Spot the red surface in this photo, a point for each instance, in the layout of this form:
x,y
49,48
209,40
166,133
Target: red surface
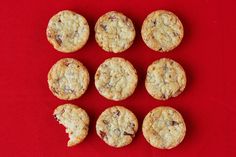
x,y
207,53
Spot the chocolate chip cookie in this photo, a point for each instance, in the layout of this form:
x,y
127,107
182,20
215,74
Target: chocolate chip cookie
x,y
164,127
165,79
75,120
116,79
162,31
117,126
67,31
114,32
68,79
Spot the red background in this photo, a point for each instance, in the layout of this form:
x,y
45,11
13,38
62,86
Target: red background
x,y
207,53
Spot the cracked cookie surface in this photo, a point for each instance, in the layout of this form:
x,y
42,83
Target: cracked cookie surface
x,y
116,79
67,31
75,120
165,79
114,32
162,31
68,79
117,126
164,127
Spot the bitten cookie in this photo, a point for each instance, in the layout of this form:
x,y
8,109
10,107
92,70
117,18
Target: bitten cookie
x,y
164,127
67,31
114,32
165,79
75,120
162,31
117,126
116,79
68,79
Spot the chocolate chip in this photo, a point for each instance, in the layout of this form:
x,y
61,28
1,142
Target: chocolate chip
x,y
132,125
163,95
66,64
85,128
117,113
175,34
55,116
102,134
105,122
69,90
173,123
111,18
54,90
154,22
160,49
59,20
49,35
104,27
128,134
58,39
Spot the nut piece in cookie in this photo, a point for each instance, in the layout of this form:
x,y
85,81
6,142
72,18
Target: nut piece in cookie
x,y
67,31
164,127
117,126
68,79
75,120
114,32
162,31
165,79
116,79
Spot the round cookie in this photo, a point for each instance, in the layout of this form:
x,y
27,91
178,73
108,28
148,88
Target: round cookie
x,y
162,31
165,79
67,31
117,126
75,120
116,79
68,79
114,32
164,127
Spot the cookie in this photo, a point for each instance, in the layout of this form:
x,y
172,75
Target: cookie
x,y
68,79
165,79
75,120
116,79
67,31
114,32
117,126
162,31
164,127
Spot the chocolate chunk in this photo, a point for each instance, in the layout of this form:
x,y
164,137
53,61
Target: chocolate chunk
x,y
132,125
111,18
66,64
128,134
102,134
54,90
105,122
69,90
163,95
55,116
173,123
117,113
104,27
58,39
175,34
154,22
